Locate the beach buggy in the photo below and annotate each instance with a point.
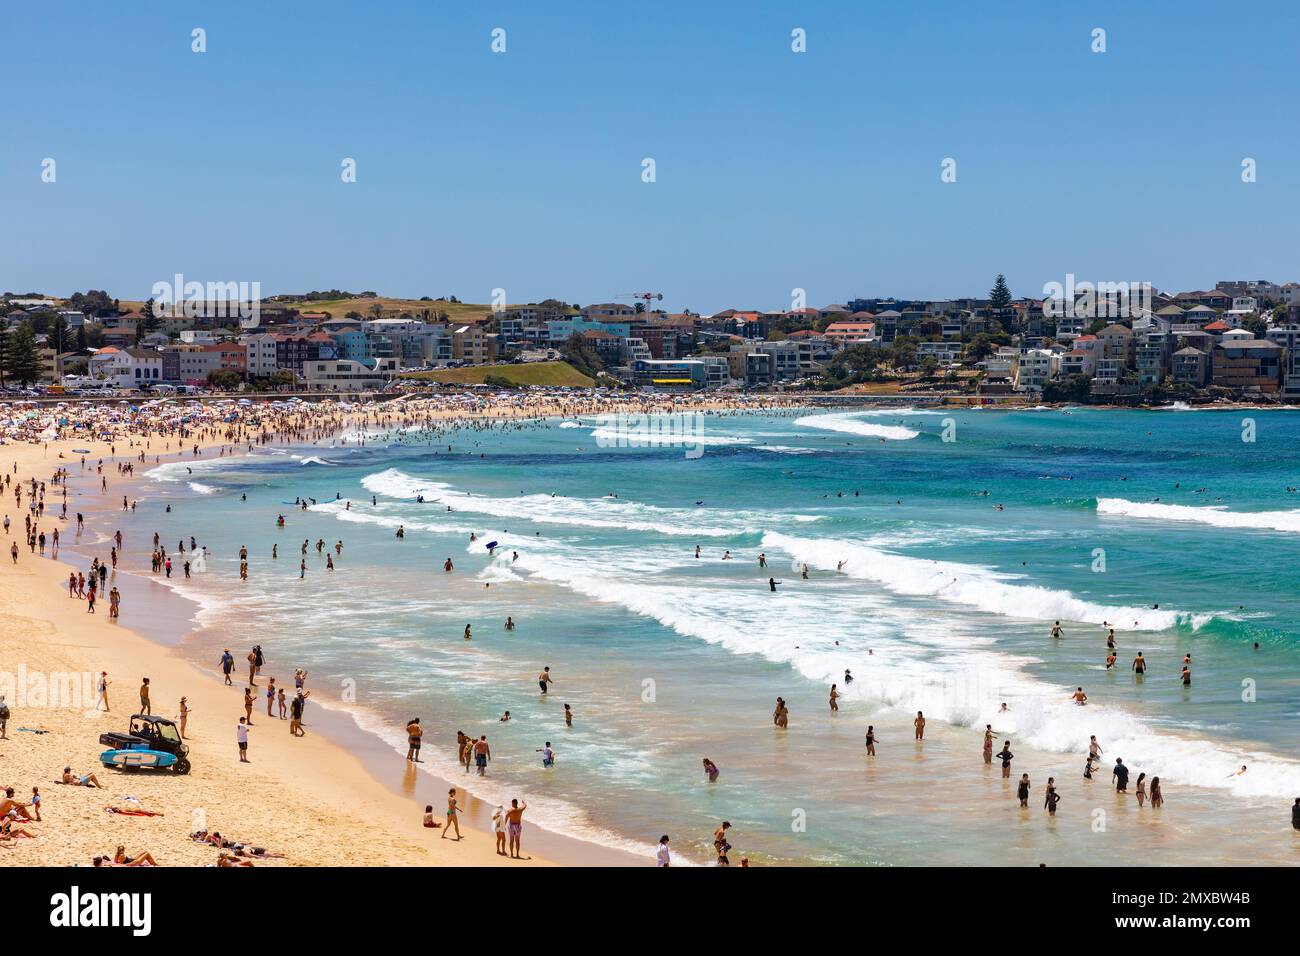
(151, 742)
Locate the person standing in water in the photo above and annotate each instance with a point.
(544, 678)
(1051, 798)
(871, 740)
(1057, 633)
(835, 696)
(1022, 791)
(919, 724)
(1139, 664)
(1120, 776)
(413, 735)
(1006, 756)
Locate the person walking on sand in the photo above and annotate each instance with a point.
(270, 696)
(453, 819)
(545, 678)
(227, 665)
(144, 697)
(241, 737)
(515, 826)
(919, 724)
(101, 686)
(183, 716)
(413, 734)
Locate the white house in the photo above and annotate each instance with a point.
(126, 368)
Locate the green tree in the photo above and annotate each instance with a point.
(56, 336)
(981, 347)
(999, 295)
(4, 349)
(1072, 388)
(22, 356)
(224, 379)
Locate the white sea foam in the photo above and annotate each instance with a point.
(615, 437)
(1288, 521)
(578, 512)
(986, 590)
(848, 423)
(938, 664)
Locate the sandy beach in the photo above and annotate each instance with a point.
(304, 797)
(317, 802)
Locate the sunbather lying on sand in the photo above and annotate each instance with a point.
(241, 849)
(140, 859)
(83, 780)
(225, 859)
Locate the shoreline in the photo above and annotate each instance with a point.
(343, 728)
(312, 798)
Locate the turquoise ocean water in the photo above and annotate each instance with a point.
(943, 603)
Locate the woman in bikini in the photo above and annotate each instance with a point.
(452, 818)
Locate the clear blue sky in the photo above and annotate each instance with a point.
(523, 170)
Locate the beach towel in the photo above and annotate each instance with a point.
(132, 813)
(32, 730)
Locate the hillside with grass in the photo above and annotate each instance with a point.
(531, 373)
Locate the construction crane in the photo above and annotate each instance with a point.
(643, 296)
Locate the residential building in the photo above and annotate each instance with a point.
(1034, 367)
(474, 344)
(126, 368)
(1190, 366)
(1252, 364)
(259, 354)
(348, 375)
